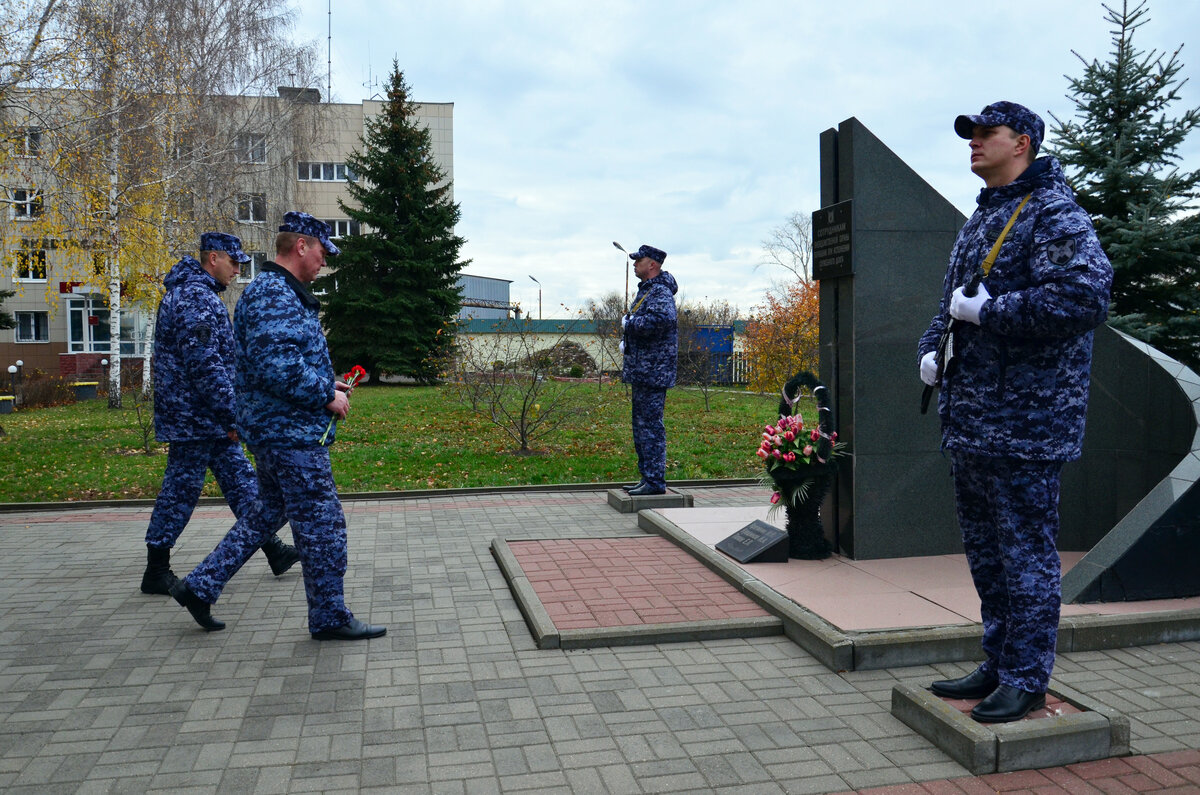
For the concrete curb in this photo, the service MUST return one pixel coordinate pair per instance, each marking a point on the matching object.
(545, 634)
(412, 494)
(1093, 633)
(1095, 733)
(624, 503)
(649, 634)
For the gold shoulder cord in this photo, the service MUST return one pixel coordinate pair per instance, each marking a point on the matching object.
(991, 257)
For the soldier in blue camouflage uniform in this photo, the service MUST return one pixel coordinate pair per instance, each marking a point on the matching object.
(1013, 410)
(287, 395)
(194, 406)
(650, 344)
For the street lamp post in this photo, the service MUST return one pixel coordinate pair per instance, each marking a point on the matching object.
(12, 378)
(539, 284)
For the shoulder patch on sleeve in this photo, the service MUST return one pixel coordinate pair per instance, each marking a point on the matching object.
(202, 334)
(1061, 251)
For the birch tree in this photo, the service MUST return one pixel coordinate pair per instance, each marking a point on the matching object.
(156, 122)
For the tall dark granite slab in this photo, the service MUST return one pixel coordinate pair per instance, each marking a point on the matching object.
(1129, 501)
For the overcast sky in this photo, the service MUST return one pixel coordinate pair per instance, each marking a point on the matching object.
(694, 126)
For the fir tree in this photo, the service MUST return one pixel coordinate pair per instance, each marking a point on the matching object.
(392, 293)
(1121, 157)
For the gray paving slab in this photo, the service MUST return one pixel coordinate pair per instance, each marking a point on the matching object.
(105, 689)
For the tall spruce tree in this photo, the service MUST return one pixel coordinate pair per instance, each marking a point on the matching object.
(1120, 154)
(392, 291)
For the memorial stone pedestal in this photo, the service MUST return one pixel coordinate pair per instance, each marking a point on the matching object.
(620, 500)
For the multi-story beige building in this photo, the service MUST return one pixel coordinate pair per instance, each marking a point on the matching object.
(63, 326)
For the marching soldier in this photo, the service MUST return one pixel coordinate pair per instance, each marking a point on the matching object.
(194, 406)
(287, 395)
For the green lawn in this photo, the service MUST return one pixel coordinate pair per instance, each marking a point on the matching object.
(395, 438)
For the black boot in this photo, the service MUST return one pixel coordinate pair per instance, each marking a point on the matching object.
(158, 578)
(1006, 704)
(976, 684)
(281, 556)
(199, 608)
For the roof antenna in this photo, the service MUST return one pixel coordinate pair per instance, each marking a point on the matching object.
(329, 53)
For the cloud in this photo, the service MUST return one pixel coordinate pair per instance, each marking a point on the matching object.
(694, 126)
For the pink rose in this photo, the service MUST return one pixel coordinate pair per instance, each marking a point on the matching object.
(762, 453)
(775, 497)
(790, 436)
(807, 450)
(815, 435)
(777, 454)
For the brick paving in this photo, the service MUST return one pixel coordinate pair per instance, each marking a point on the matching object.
(615, 582)
(103, 689)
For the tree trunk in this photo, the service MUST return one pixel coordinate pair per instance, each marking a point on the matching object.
(114, 260)
(147, 352)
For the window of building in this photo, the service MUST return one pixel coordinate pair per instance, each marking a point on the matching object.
(252, 208)
(33, 326)
(251, 269)
(323, 172)
(87, 322)
(26, 204)
(342, 228)
(29, 142)
(89, 327)
(29, 263)
(252, 148)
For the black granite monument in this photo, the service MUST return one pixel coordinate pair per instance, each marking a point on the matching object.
(881, 241)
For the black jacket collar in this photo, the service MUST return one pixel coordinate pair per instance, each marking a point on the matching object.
(307, 298)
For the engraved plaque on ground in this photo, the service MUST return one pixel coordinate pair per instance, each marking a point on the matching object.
(757, 542)
(831, 237)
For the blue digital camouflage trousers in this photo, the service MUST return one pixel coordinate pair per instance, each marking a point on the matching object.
(650, 434)
(296, 485)
(187, 464)
(1008, 514)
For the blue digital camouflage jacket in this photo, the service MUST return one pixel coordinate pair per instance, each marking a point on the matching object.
(651, 335)
(1021, 385)
(284, 375)
(193, 358)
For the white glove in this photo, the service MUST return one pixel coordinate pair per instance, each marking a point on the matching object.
(624, 321)
(622, 347)
(967, 309)
(929, 368)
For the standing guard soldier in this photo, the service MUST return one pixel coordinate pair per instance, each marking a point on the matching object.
(194, 406)
(1013, 407)
(650, 346)
(287, 396)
